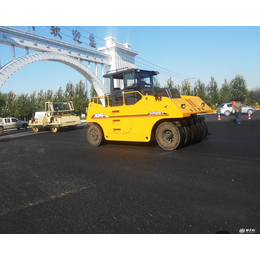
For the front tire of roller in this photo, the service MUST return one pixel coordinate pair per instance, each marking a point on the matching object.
(168, 136)
(95, 135)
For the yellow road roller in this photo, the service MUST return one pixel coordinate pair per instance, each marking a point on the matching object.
(138, 110)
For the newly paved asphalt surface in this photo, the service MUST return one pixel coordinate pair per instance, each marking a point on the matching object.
(58, 183)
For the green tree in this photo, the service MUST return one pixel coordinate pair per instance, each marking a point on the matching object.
(3, 98)
(48, 96)
(253, 97)
(58, 96)
(200, 89)
(238, 88)
(69, 91)
(80, 99)
(10, 107)
(32, 106)
(186, 88)
(22, 106)
(40, 101)
(212, 92)
(178, 87)
(224, 92)
(93, 92)
(169, 83)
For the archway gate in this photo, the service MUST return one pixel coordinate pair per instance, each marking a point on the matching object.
(112, 56)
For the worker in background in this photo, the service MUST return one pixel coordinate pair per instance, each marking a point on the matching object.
(233, 103)
(238, 108)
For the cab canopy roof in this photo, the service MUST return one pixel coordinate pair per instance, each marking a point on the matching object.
(118, 73)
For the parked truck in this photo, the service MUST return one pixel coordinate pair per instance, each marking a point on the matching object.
(11, 123)
(138, 110)
(57, 115)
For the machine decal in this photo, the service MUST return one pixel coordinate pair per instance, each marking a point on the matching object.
(102, 116)
(99, 115)
(156, 113)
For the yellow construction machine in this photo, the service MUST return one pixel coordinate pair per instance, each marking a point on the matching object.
(138, 110)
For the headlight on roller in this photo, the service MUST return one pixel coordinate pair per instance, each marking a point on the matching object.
(183, 106)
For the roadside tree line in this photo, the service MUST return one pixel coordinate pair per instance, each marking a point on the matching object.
(235, 90)
(24, 106)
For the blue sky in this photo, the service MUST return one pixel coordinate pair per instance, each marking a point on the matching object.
(186, 51)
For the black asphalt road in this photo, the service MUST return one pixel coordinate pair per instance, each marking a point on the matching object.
(58, 183)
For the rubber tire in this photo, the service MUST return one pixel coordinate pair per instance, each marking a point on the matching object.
(182, 136)
(227, 113)
(194, 133)
(187, 133)
(200, 131)
(168, 143)
(249, 111)
(54, 129)
(95, 135)
(205, 129)
(24, 126)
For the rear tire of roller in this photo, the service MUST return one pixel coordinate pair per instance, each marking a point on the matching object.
(194, 133)
(187, 133)
(200, 131)
(205, 129)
